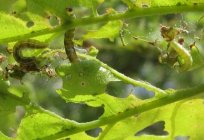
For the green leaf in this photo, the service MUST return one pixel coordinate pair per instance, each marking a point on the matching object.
(85, 3)
(30, 16)
(185, 114)
(81, 136)
(8, 28)
(181, 119)
(57, 8)
(112, 105)
(7, 6)
(92, 4)
(84, 77)
(39, 123)
(158, 3)
(109, 30)
(129, 3)
(147, 137)
(14, 27)
(3, 137)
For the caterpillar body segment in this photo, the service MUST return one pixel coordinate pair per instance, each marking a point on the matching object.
(26, 44)
(184, 56)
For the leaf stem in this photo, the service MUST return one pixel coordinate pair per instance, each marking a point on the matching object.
(131, 13)
(140, 12)
(124, 78)
(149, 105)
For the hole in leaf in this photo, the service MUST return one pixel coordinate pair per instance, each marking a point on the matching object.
(69, 9)
(119, 89)
(178, 4)
(154, 129)
(13, 12)
(53, 20)
(182, 138)
(195, 4)
(83, 83)
(142, 93)
(145, 6)
(30, 24)
(94, 132)
(76, 112)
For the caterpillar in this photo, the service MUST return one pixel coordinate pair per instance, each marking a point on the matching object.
(177, 56)
(68, 40)
(184, 57)
(34, 44)
(29, 63)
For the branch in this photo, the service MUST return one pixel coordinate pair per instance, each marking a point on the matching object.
(132, 13)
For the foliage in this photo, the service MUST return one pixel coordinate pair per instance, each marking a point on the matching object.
(35, 81)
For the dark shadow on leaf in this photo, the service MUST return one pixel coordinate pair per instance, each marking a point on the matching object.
(77, 112)
(54, 103)
(119, 89)
(154, 129)
(142, 93)
(30, 24)
(94, 132)
(122, 90)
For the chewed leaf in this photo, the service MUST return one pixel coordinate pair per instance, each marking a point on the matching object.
(109, 30)
(38, 124)
(84, 77)
(91, 4)
(9, 30)
(112, 105)
(177, 117)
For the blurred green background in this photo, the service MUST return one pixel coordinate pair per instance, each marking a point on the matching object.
(137, 59)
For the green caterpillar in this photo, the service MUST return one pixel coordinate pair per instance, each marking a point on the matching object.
(177, 56)
(184, 57)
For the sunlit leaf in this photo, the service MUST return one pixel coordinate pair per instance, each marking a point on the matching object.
(92, 4)
(157, 3)
(181, 119)
(109, 30)
(39, 124)
(112, 105)
(8, 28)
(3, 137)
